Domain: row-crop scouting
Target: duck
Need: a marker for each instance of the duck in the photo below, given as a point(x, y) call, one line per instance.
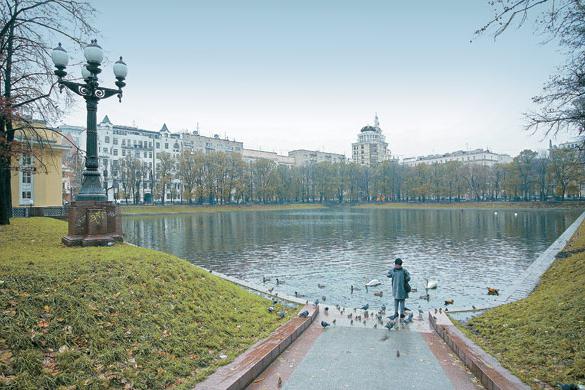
point(431, 284)
point(373, 283)
point(493, 291)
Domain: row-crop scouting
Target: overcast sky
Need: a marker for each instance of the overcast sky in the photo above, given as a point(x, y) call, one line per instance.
point(281, 75)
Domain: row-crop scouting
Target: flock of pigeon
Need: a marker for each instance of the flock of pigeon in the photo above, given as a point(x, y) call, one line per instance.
point(377, 317)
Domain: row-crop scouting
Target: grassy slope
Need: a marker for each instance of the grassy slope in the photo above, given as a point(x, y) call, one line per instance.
point(542, 337)
point(176, 209)
point(114, 317)
point(478, 205)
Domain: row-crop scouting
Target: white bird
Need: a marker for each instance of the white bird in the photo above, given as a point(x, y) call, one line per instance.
point(373, 283)
point(431, 284)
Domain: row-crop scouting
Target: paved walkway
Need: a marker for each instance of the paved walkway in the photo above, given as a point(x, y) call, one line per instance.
point(358, 356)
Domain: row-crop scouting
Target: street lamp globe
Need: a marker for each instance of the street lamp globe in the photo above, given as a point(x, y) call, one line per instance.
point(60, 57)
point(120, 69)
point(93, 53)
point(84, 72)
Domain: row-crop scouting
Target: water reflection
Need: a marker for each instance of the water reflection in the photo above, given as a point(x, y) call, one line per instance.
point(465, 250)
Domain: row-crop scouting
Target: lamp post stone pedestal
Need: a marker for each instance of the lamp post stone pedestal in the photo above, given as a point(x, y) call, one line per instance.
point(93, 223)
point(93, 220)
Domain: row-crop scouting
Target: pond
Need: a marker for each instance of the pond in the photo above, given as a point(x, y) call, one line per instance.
point(464, 250)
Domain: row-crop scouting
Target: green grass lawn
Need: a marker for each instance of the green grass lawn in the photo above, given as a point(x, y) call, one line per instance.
point(117, 316)
point(478, 205)
point(542, 338)
point(179, 209)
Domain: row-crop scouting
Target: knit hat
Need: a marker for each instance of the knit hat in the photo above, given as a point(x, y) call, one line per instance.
point(398, 261)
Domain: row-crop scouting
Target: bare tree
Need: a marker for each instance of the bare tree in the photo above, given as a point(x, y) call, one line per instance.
point(27, 30)
point(562, 101)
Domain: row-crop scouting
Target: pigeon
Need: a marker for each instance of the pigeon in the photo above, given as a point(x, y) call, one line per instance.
point(390, 324)
point(375, 326)
point(352, 288)
point(365, 307)
point(316, 302)
point(304, 314)
point(349, 315)
point(351, 322)
point(282, 314)
point(279, 384)
point(440, 310)
point(408, 319)
point(473, 307)
point(383, 308)
point(379, 293)
point(271, 309)
point(278, 282)
point(324, 324)
point(320, 285)
point(326, 309)
point(449, 302)
point(274, 301)
point(334, 321)
point(271, 289)
point(397, 353)
point(264, 280)
point(323, 298)
point(570, 386)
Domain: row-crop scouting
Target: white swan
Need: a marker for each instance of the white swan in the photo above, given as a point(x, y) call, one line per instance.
point(431, 284)
point(373, 283)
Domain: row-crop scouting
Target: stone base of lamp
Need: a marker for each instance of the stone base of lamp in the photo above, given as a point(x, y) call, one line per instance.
point(93, 223)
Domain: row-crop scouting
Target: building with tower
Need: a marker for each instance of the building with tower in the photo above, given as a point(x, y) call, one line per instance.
point(371, 147)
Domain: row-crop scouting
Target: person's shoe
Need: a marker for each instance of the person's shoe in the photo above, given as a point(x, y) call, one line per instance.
point(393, 316)
point(402, 316)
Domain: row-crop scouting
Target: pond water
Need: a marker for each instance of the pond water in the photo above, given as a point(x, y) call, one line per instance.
point(464, 250)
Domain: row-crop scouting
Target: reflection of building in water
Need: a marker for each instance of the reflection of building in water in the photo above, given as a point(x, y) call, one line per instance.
point(371, 147)
point(476, 156)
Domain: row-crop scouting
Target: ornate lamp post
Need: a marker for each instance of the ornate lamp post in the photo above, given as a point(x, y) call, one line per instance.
point(92, 219)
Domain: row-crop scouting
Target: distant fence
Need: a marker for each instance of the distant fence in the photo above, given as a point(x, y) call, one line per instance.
point(49, 211)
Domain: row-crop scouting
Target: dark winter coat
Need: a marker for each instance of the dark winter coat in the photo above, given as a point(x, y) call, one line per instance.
point(399, 278)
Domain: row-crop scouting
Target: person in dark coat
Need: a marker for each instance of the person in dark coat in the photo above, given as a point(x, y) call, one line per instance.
point(400, 278)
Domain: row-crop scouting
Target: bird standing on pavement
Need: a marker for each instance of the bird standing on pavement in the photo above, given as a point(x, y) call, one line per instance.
point(366, 306)
point(324, 324)
point(304, 314)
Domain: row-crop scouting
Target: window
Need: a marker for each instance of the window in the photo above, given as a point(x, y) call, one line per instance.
point(150, 154)
point(144, 154)
point(105, 150)
point(26, 195)
point(123, 152)
point(115, 152)
point(158, 145)
point(115, 141)
point(166, 145)
point(105, 162)
point(26, 159)
point(107, 139)
point(26, 177)
point(123, 142)
point(137, 154)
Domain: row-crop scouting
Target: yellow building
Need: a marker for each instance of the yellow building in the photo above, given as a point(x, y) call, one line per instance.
point(37, 167)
